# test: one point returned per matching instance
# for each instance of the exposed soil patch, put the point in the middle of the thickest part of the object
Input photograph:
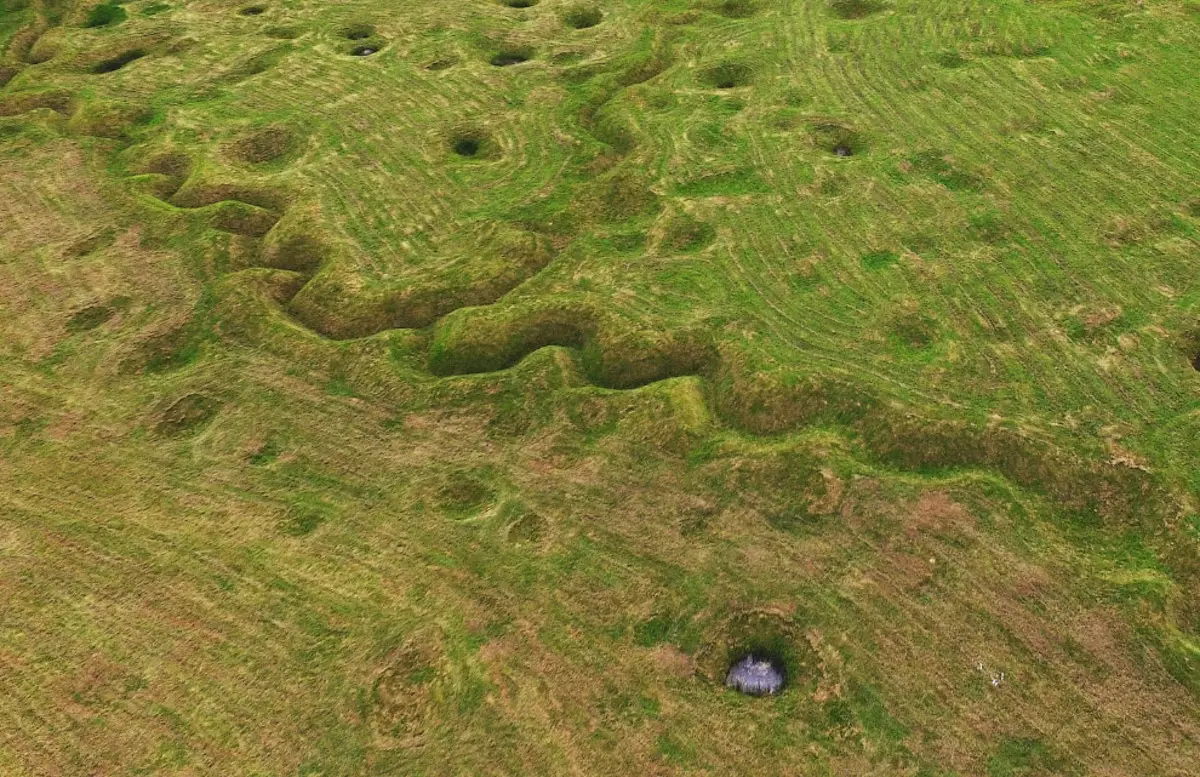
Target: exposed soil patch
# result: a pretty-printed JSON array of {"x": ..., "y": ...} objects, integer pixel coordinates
[
  {"x": 855, "y": 9},
  {"x": 187, "y": 413},
  {"x": 513, "y": 56},
  {"x": 113, "y": 64},
  {"x": 582, "y": 17},
  {"x": 727, "y": 75},
  {"x": 253, "y": 10}
]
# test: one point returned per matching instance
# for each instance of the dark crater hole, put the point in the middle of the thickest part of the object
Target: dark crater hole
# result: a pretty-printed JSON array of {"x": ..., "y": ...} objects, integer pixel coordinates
[
  {"x": 472, "y": 143},
  {"x": 757, "y": 673},
  {"x": 358, "y": 32},
  {"x": 837, "y": 140},
  {"x": 511, "y": 57},
  {"x": 363, "y": 51},
  {"x": 466, "y": 147},
  {"x": 253, "y": 10},
  {"x": 1196, "y": 363},
  {"x": 729, "y": 75},
  {"x": 520, "y": 3},
  {"x": 116, "y": 63}
]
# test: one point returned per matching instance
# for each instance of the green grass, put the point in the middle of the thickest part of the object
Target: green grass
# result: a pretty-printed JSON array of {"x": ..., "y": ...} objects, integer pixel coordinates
[
  {"x": 105, "y": 15},
  {"x": 434, "y": 412}
]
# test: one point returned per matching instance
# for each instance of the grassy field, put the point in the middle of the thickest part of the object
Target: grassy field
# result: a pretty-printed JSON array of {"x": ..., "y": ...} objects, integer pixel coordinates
[{"x": 457, "y": 388}]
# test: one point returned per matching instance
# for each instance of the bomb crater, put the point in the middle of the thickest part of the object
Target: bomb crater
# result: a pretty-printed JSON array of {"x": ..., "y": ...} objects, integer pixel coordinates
[
  {"x": 360, "y": 31},
  {"x": 756, "y": 675},
  {"x": 581, "y": 17},
  {"x": 113, "y": 64},
  {"x": 466, "y": 147},
  {"x": 514, "y": 56}
]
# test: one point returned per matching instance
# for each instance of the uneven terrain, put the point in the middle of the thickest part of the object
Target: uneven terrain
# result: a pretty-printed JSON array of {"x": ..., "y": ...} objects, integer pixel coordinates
[{"x": 458, "y": 388}]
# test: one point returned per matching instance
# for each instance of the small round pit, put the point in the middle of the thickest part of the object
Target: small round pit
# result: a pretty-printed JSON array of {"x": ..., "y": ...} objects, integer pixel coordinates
[
  {"x": 582, "y": 17},
  {"x": 756, "y": 675},
  {"x": 727, "y": 75},
  {"x": 358, "y": 31},
  {"x": 253, "y": 10},
  {"x": 467, "y": 147},
  {"x": 510, "y": 57},
  {"x": 363, "y": 51},
  {"x": 842, "y": 150}
]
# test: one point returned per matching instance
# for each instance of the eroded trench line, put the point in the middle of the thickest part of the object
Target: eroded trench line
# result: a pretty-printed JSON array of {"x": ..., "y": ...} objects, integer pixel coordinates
[{"x": 254, "y": 214}]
